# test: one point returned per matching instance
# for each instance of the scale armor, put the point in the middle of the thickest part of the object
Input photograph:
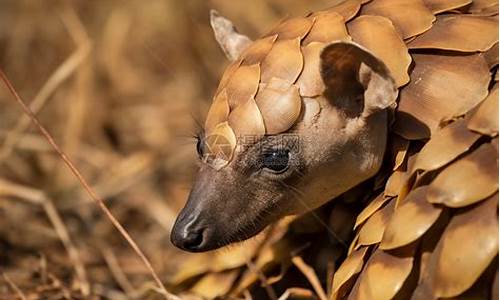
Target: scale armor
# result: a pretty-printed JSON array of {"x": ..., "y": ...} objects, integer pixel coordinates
[{"x": 433, "y": 231}]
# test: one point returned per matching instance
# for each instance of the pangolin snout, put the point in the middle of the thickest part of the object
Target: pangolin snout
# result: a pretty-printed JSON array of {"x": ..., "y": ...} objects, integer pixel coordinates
[{"x": 190, "y": 233}]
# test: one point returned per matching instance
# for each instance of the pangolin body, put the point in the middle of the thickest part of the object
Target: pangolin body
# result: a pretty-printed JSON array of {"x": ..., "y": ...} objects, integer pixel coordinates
[{"x": 433, "y": 232}]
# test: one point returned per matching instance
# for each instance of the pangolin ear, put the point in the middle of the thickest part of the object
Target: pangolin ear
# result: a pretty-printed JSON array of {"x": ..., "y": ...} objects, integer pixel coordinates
[
  {"x": 352, "y": 73},
  {"x": 231, "y": 42}
]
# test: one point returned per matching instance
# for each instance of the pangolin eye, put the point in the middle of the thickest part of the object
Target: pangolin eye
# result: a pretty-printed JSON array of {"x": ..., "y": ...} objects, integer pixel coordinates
[
  {"x": 276, "y": 160},
  {"x": 199, "y": 146}
]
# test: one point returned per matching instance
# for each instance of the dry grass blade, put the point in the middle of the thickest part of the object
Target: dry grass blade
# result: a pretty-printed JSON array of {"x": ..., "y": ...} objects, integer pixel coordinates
[
  {"x": 269, "y": 290},
  {"x": 310, "y": 275},
  {"x": 67, "y": 68},
  {"x": 14, "y": 287},
  {"x": 117, "y": 271},
  {"x": 39, "y": 198},
  {"x": 73, "y": 253},
  {"x": 293, "y": 293},
  {"x": 86, "y": 186}
]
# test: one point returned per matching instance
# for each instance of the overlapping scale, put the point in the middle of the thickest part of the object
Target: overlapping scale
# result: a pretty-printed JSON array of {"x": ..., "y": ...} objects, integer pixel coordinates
[
  {"x": 382, "y": 277},
  {"x": 280, "y": 105},
  {"x": 347, "y": 9},
  {"x": 328, "y": 26},
  {"x": 219, "y": 146},
  {"x": 395, "y": 183},
  {"x": 410, "y": 220},
  {"x": 459, "y": 33},
  {"x": 310, "y": 82},
  {"x": 399, "y": 150},
  {"x": 422, "y": 292},
  {"x": 246, "y": 120},
  {"x": 218, "y": 112},
  {"x": 466, "y": 248},
  {"x": 468, "y": 180},
  {"x": 354, "y": 244},
  {"x": 292, "y": 28},
  {"x": 258, "y": 50},
  {"x": 494, "y": 143},
  {"x": 410, "y": 17},
  {"x": 284, "y": 61},
  {"x": 484, "y": 7},
  {"x": 351, "y": 266},
  {"x": 491, "y": 56},
  {"x": 439, "y": 6},
  {"x": 445, "y": 145},
  {"x": 378, "y": 35},
  {"x": 372, "y": 231},
  {"x": 227, "y": 75},
  {"x": 441, "y": 88},
  {"x": 243, "y": 84},
  {"x": 485, "y": 119},
  {"x": 371, "y": 208}
]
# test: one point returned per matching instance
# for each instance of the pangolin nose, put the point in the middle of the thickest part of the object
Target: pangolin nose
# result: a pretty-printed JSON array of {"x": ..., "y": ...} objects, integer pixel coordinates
[{"x": 188, "y": 236}]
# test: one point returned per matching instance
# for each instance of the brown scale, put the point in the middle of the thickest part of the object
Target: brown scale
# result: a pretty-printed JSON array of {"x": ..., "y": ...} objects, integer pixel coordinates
[{"x": 438, "y": 214}]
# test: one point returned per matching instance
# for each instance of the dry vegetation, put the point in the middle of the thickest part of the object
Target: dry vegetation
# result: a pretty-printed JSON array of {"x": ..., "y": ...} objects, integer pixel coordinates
[{"x": 120, "y": 85}]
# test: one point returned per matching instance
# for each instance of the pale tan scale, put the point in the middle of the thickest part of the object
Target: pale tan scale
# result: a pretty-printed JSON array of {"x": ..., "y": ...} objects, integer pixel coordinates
[
  {"x": 378, "y": 35},
  {"x": 221, "y": 143},
  {"x": 354, "y": 245},
  {"x": 246, "y": 120},
  {"x": 410, "y": 17},
  {"x": 280, "y": 107},
  {"x": 491, "y": 56},
  {"x": 242, "y": 85},
  {"x": 422, "y": 292},
  {"x": 347, "y": 9},
  {"x": 218, "y": 113},
  {"x": 372, "y": 231},
  {"x": 466, "y": 248},
  {"x": 228, "y": 73},
  {"x": 439, "y": 6},
  {"x": 382, "y": 277},
  {"x": 485, "y": 119},
  {"x": 494, "y": 143},
  {"x": 284, "y": 61},
  {"x": 328, "y": 26},
  {"x": 445, "y": 145},
  {"x": 459, "y": 33},
  {"x": 310, "y": 82},
  {"x": 484, "y": 7},
  {"x": 395, "y": 183},
  {"x": 400, "y": 150},
  {"x": 258, "y": 50},
  {"x": 349, "y": 268},
  {"x": 410, "y": 220},
  {"x": 468, "y": 180},
  {"x": 441, "y": 88},
  {"x": 370, "y": 209},
  {"x": 293, "y": 28}
]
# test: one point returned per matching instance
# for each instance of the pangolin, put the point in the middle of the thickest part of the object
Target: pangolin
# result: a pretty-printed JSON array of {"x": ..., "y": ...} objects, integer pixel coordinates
[{"x": 415, "y": 81}]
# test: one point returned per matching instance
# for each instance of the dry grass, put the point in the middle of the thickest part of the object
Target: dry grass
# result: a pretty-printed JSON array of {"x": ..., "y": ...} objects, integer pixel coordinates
[{"x": 120, "y": 85}]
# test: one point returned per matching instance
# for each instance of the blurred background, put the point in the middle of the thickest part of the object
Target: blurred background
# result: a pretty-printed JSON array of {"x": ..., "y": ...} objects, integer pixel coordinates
[{"x": 121, "y": 85}]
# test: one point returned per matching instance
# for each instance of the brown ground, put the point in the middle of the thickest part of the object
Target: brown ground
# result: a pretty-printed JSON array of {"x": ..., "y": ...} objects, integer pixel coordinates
[{"x": 120, "y": 85}]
